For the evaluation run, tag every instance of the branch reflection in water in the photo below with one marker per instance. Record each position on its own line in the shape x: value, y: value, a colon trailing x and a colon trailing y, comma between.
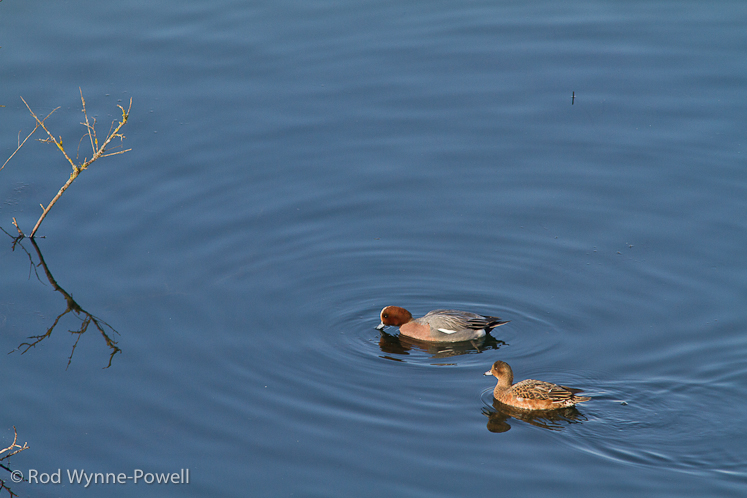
x: 86, y: 318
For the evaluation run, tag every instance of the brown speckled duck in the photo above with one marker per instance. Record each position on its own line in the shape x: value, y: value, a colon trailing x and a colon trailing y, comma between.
x: 531, y: 394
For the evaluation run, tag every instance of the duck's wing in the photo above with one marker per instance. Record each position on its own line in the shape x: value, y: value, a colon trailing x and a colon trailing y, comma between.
x: 537, y: 389
x: 449, y: 321
x: 492, y: 322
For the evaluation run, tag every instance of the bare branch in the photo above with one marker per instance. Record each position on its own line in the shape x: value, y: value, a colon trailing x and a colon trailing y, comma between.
x: 99, y: 151
x: 12, y: 450
x: 15, y: 447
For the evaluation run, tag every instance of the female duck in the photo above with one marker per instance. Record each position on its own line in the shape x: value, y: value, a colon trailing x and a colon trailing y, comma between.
x: 439, y: 325
x: 531, y: 394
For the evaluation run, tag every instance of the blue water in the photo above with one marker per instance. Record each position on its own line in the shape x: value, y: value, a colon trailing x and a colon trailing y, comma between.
x: 297, y: 166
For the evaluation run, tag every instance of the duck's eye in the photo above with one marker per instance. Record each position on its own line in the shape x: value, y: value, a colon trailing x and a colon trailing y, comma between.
x: 386, y: 315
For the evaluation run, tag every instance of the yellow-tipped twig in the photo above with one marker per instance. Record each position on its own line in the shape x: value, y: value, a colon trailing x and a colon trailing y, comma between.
x: 98, y: 151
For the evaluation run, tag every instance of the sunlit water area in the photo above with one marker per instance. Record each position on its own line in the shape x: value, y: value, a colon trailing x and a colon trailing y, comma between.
x: 207, y: 301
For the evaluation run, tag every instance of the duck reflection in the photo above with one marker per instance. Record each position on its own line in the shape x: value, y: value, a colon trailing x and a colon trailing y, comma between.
x: 402, y: 345
x: 86, y: 319
x: 553, y: 420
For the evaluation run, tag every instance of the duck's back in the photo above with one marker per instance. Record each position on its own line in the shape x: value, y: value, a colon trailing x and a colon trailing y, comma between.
x: 455, y: 320
x: 539, y: 395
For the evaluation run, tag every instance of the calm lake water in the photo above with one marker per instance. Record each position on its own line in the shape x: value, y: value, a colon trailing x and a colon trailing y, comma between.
x: 296, y: 166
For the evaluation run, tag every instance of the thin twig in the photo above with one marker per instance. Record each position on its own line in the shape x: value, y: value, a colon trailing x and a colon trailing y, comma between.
x: 20, y: 233
x: 91, y: 129
x: 15, y: 447
x: 20, y: 144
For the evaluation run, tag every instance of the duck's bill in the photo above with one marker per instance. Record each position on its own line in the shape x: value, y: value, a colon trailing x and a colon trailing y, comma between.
x: 380, y: 326
x: 488, y: 373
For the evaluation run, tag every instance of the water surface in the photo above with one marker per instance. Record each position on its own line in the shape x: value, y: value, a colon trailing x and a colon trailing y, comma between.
x: 295, y: 167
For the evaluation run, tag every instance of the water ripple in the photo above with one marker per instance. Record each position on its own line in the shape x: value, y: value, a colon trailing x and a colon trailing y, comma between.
x: 660, y: 423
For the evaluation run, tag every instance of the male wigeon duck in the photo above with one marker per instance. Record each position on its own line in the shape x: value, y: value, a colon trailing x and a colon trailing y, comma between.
x: 531, y: 394
x: 439, y: 325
